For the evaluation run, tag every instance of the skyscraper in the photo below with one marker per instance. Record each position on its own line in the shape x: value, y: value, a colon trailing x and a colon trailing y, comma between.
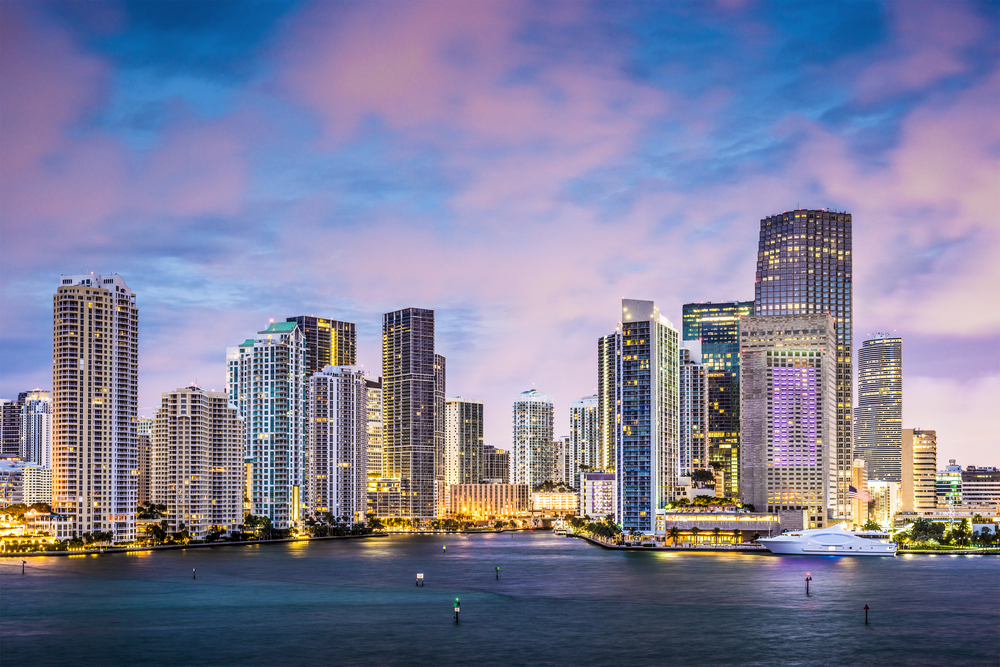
x: 374, y: 458
x: 197, y: 462
x: 608, y: 351
x: 463, y: 438
x: 440, y: 486
x: 803, y: 268
x: 565, y: 464
x: 919, y: 470
x: 647, y: 387
x: 693, y: 416
x: 878, y: 422
x: 531, y: 460
x: 327, y: 342
x: 144, y: 445
x: 337, y: 473
x: 95, y: 378
x: 412, y: 386
x: 36, y: 428
x: 267, y: 385
x: 584, y: 435
x: 10, y: 426
x: 788, y: 385
x: 717, y: 327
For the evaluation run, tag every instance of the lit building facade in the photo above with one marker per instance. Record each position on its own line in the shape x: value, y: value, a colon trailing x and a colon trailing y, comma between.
x: 267, y: 385
x: 584, y: 435
x: 144, y: 444
x: 197, y: 461
x: 555, y: 502
x: 608, y: 417
x: 948, y: 485
x: 374, y: 458
x: 717, y: 327
x: 878, y: 417
x: 565, y: 466
x: 647, y: 389
x: 36, y: 428
x: 385, y: 499
x: 490, y: 500
x: 861, y: 497
x: 463, y: 441
x: 95, y: 382
x: 413, y: 382
x: 337, y: 470
x: 885, y: 503
x: 804, y: 267
x: 693, y: 419
x: 919, y: 471
x: 597, y: 494
x: 496, y: 465
x: 788, y: 392
x: 981, y: 487
x: 327, y: 342
x: 531, y: 460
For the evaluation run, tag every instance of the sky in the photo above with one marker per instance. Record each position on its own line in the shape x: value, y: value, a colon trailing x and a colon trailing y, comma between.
x: 517, y: 167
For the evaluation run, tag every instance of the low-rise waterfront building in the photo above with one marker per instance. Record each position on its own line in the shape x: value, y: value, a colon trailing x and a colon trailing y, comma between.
x: 555, y: 502
x: 483, y: 501
x: 981, y: 486
x: 885, y: 503
x: 697, y: 525
x: 948, y: 485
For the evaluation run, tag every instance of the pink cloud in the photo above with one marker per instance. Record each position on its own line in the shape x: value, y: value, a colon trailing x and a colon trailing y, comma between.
x: 927, y: 46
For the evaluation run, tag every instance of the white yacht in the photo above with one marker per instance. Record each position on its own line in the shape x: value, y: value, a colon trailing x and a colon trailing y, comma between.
x: 833, y: 541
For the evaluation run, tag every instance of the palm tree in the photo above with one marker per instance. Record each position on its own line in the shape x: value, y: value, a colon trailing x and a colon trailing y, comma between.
x: 694, y: 534
x: 737, y: 536
x: 716, y: 534
x: 675, y: 533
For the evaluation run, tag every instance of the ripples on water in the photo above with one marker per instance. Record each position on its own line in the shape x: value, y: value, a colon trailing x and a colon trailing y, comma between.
x: 558, y: 601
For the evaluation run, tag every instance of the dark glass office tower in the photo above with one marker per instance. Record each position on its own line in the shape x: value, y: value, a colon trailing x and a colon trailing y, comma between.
x: 328, y: 342
x: 717, y: 326
x: 412, y: 387
x: 878, y: 428
x: 803, y: 268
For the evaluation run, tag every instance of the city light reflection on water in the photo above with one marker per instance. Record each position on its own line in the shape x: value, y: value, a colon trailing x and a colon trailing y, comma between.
x: 557, y: 600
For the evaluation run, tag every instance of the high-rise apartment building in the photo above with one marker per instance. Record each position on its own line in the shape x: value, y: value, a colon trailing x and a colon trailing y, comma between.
x: 693, y: 417
x: 267, y: 384
x: 788, y: 417
x: 95, y: 381
x: 374, y: 458
x: 608, y: 422
x: 717, y: 327
x: 531, y: 460
x: 878, y: 416
x: 463, y: 441
x: 337, y: 471
x: 565, y: 462
x: 647, y: 387
x: 496, y: 465
x: 441, y: 497
x: 919, y: 471
x: 327, y: 342
x: 197, y: 462
x: 10, y: 426
x: 36, y: 428
x: 584, y: 434
x: 144, y: 444
x: 804, y: 267
x: 412, y: 388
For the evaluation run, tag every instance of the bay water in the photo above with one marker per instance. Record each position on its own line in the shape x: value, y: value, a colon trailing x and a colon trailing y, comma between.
x: 557, y: 601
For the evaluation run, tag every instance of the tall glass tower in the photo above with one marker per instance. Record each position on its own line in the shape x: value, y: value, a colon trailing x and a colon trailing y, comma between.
x: 648, y: 393
x: 328, y: 342
x: 412, y: 389
x: 804, y: 268
x: 717, y: 326
x: 878, y: 428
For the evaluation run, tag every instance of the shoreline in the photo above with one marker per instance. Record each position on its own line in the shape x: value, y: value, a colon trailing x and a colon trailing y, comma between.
x: 125, y: 550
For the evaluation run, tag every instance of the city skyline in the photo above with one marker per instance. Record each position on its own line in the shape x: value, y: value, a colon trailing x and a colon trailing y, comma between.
x: 177, y: 176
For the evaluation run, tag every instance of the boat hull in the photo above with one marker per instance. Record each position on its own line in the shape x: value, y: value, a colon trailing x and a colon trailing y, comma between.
x: 792, y: 549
